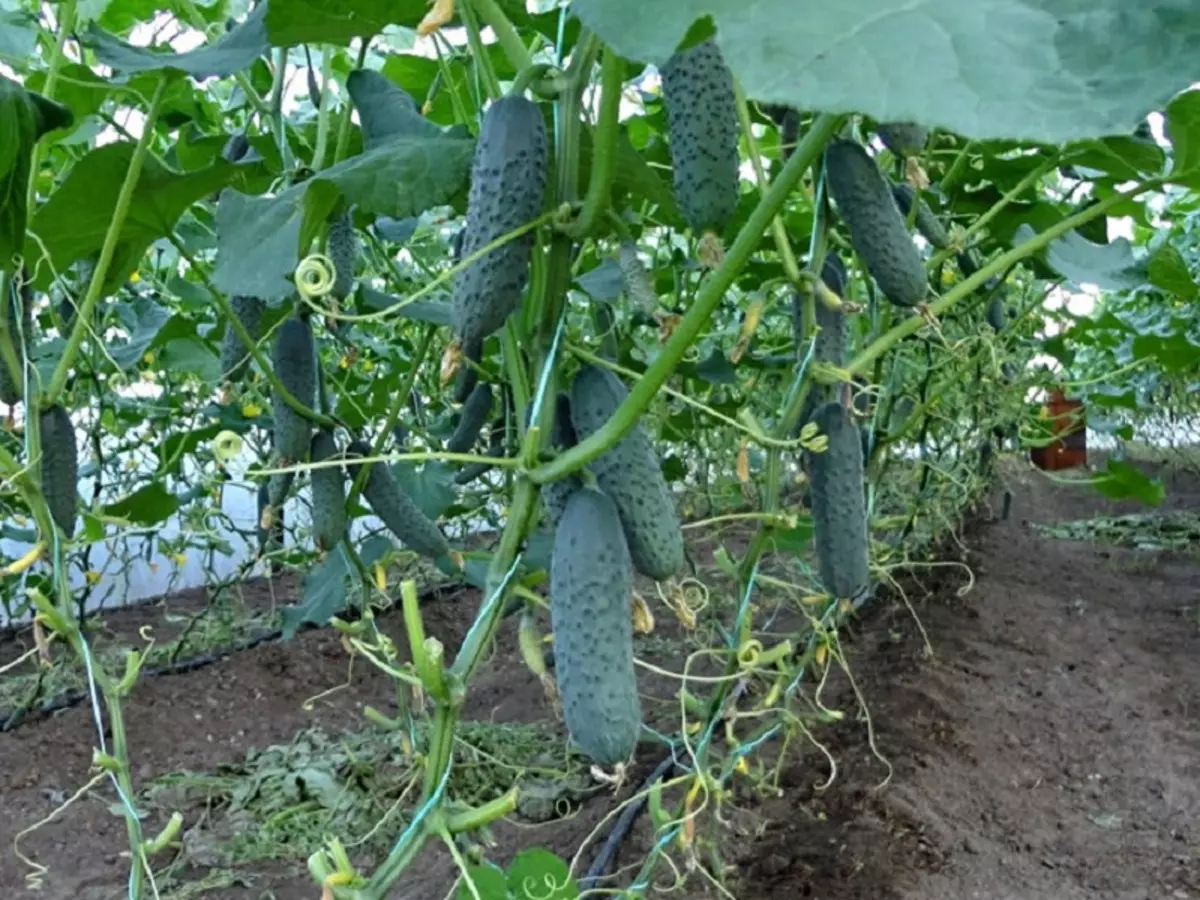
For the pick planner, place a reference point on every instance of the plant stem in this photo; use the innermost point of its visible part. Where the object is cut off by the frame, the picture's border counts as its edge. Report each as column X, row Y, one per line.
column 83, row 315
column 604, row 145
column 66, row 26
column 490, row 13
column 705, row 303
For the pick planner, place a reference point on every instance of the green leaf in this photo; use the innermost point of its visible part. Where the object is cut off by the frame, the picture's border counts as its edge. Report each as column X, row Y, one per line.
column 18, row 133
column 227, row 55
column 489, row 882
column 633, row 175
column 385, row 111
column 147, row 505
column 1041, row 70
column 538, row 874
column 794, row 540
column 291, row 22
column 258, row 240
column 1110, row 267
column 325, row 594
column 142, row 320
column 429, row 485
column 18, row 36
column 434, row 312
column 1174, row 351
column 74, row 221
column 1121, row 481
column 1168, row 270
column 605, row 282
column 78, row 89
column 191, row 355
column 1183, row 128
column 1124, row 158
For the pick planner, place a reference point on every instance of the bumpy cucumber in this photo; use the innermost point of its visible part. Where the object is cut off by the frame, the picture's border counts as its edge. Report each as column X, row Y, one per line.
column 60, row 468
column 630, row 473
column 903, row 138
column 997, row 316
column 556, row 494
column 833, row 273
column 877, row 229
column 471, row 419
column 591, row 587
column 235, row 358
column 508, row 186
column 838, row 506
column 343, row 248
column 294, row 360
column 928, row 224
column 19, row 325
column 702, row 135
column 328, row 494
column 396, row 509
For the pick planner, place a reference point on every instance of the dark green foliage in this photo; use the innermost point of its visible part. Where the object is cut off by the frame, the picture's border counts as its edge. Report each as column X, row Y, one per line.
column 556, row 494
column 328, row 494
column 472, row 417
column 928, row 224
column 591, row 584
column 343, row 248
column 838, row 506
column 19, row 325
column 903, row 138
column 235, row 358
column 877, row 229
column 996, row 314
column 294, row 360
column 60, row 468
column 630, row 473
column 396, row 509
column 508, row 185
column 702, row 125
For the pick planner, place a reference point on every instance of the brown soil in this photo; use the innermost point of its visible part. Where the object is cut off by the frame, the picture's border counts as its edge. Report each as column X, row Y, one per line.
column 1049, row 747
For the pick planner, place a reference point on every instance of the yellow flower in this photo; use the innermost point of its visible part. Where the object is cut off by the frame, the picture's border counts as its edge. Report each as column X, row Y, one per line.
column 251, row 410
column 92, row 576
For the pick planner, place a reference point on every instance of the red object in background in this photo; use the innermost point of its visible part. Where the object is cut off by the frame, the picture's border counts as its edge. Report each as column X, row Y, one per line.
column 1069, row 420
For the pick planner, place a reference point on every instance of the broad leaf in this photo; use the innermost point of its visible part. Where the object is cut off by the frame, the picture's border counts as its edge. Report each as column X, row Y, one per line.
column 325, row 593
column 1168, row 270
column 142, row 319
column 385, row 111
column 488, row 881
column 227, row 55
column 434, row 312
column 18, row 133
column 148, row 505
column 1041, row 70
column 1120, row 481
column 74, row 221
column 1108, row 266
column 1183, row 128
column 258, row 241
column 18, row 36
column 291, row 22
column 538, row 874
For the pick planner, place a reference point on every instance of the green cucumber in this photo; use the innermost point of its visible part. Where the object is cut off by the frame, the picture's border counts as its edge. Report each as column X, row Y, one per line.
column 838, row 505
column 997, row 316
column 877, row 229
column 343, row 248
column 293, row 358
column 235, row 358
column 60, row 468
column 508, row 186
column 591, row 588
column 471, row 419
column 702, row 135
column 18, row 292
column 903, row 138
column 396, row 509
column 928, row 224
column 328, row 494
column 630, row 473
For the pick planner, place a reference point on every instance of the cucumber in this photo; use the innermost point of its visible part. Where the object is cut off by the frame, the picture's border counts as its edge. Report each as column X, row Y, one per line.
column 997, row 317
column 591, row 588
column 556, row 494
column 235, row 358
column 343, row 248
column 877, row 229
column 833, row 273
column 293, row 358
column 630, row 473
column 18, row 292
column 60, row 468
column 508, row 186
column 396, row 510
column 471, row 419
column 903, row 138
column 928, row 224
column 328, row 494
column 702, row 135
column 838, row 505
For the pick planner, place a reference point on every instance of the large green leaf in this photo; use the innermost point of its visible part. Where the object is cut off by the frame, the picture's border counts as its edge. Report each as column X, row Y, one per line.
column 385, row 111
column 18, row 133
column 292, row 22
column 1183, row 128
column 227, row 55
column 147, row 505
column 18, row 35
column 142, row 319
column 1048, row 70
column 258, row 242
column 1121, row 481
column 1168, row 270
column 1110, row 267
column 325, row 593
column 73, row 222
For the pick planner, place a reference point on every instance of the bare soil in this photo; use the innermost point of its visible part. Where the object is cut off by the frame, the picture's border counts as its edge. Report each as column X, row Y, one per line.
column 1042, row 730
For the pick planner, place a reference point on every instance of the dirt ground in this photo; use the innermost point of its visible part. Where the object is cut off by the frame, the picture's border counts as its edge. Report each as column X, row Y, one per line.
column 1047, row 749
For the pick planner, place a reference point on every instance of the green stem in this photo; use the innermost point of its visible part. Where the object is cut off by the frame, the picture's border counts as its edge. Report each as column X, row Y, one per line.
column 604, row 145
column 490, row 13
column 483, row 63
column 66, row 26
column 83, row 315
column 967, row 286
column 956, row 168
column 706, row 301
